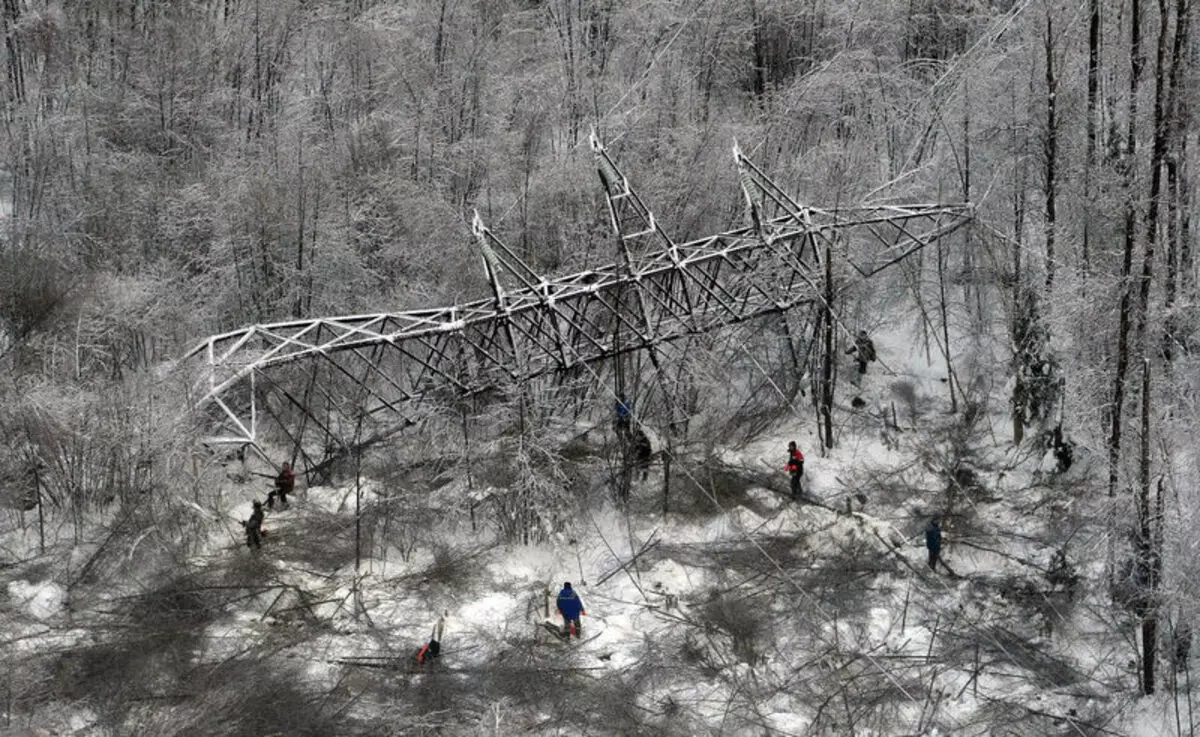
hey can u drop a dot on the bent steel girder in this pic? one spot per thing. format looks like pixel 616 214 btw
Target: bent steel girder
pixel 385 363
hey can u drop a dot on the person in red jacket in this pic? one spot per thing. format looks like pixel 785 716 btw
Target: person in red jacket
pixel 795 467
pixel 433 649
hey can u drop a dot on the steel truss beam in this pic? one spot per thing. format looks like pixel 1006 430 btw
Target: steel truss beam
pixel 534 325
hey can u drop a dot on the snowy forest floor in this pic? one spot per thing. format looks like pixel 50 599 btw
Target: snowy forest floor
pixel 738 613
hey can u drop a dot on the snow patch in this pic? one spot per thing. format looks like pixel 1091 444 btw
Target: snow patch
pixel 788 723
pixel 41 600
pixel 765 497
pixel 488 610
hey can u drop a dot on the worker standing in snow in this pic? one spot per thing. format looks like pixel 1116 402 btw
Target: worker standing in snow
pixel 624 417
pixel 863 350
pixel 642 452
pixel 284 483
pixel 933 542
pixel 254 527
pixel 795 467
pixel 570 606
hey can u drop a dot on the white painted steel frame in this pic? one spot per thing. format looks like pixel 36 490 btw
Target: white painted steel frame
pixel 555 324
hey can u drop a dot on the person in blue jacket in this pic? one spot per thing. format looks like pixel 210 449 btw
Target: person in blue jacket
pixel 624 418
pixel 933 542
pixel 570 606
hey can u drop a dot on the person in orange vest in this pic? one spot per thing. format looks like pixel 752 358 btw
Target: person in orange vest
pixel 795 467
pixel 284 483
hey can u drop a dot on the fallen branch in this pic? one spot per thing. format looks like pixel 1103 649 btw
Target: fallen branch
pixel 646 548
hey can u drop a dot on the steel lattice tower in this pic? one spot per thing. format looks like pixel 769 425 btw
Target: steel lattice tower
pixel 380 366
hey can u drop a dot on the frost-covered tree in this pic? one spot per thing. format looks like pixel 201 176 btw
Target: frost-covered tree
pixel 1037 382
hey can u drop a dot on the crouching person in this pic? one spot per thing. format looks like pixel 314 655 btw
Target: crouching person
pixel 570 606
pixel 432 649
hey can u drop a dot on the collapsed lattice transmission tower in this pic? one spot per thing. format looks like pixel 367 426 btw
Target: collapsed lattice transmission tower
pixel 328 374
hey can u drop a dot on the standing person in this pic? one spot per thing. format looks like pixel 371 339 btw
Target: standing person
pixel 624 416
pixel 643 452
pixel 933 542
pixel 570 606
pixel 1183 644
pixel 795 467
pixel 254 527
pixel 284 483
pixel 863 350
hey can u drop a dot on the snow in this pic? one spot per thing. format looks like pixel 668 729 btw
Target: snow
pixel 42 601
pixel 906 621
pixel 484 612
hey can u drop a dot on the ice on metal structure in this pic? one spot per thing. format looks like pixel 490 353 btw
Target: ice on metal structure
pixel 316 374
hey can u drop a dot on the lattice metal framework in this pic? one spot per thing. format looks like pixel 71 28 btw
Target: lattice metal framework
pixel 533 325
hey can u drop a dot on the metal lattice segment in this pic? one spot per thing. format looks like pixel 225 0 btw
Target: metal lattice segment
pixel 637 232
pixel 497 257
pixel 321 371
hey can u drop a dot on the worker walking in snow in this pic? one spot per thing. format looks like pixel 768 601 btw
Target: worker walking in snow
pixel 253 527
pixel 863 350
pixel 433 648
pixel 642 452
pixel 795 467
pixel 570 606
pixel 933 542
pixel 284 483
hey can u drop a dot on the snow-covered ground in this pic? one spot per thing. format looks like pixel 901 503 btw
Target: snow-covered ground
pixel 760 616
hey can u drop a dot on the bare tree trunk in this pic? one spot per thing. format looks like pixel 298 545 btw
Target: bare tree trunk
pixel 298 302
pixel 1157 156
pixel 561 14
pixel 1146 548
pixel 828 348
pixel 667 454
pixel 1051 150
pixel 1018 204
pixel 14 63
pixel 37 487
pixel 1176 138
pixel 758 58
pixel 1093 96
pixel 1137 61
pixel 941 269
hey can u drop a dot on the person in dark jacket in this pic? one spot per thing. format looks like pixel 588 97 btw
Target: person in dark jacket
pixel 1064 449
pixel 1183 645
pixel 795 468
pixel 933 542
pixel 253 527
pixel 284 483
pixel 624 418
pixel 570 606
pixel 643 452
pixel 863 350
